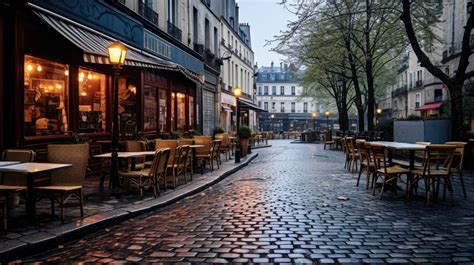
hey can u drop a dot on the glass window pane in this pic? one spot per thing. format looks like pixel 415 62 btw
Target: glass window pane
pixel 181 99
pixel 45 97
pixel 149 112
pixel 163 109
pixel 92 101
pixel 191 112
pixel 127 110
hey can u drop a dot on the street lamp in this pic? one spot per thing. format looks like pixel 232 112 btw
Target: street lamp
pixel 327 113
pixel 272 117
pixel 379 112
pixel 117 53
pixel 314 114
pixel 237 94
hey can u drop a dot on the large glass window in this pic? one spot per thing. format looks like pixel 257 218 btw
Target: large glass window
pixel 274 90
pixel 149 110
pixel 163 97
pixel 127 107
pixel 191 112
pixel 181 104
pixel 282 90
pixel 92 101
pixel 173 113
pixel 45 97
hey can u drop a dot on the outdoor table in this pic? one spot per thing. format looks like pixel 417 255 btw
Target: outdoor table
pixel 194 147
pixel 131 155
pixel 8 163
pixel 391 146
pixel 31 170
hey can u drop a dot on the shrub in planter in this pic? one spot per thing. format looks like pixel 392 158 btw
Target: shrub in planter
pixel 244 135
pixel 217 130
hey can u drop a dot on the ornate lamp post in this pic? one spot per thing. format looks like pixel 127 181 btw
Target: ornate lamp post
pixel 237 94
pixel 117 53
pixel 314 114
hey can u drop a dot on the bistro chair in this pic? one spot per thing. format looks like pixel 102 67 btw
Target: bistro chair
pixel 365 163
pixel 172 145
pixel 458 163
pixel 351 154
pixel 189 162
pixel 389 174
pixel 204 154
pixel 148 177
pixel 66 183
pixel 326 141
pixel 436 165
pixel 225 144
pixel 216 152
pixel 137 146
pixel 13 185
pixel 178 167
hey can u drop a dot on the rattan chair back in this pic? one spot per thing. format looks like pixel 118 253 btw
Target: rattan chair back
pixel 171 144
pixel 75 154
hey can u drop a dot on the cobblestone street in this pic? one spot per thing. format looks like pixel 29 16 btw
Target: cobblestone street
pixel 284 208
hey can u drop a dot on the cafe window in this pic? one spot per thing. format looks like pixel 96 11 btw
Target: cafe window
pixel 45 97
pixel 173 116
pixel 92 101
pixel 181 108
pixel 163 109
pixel 127 107
pixel 150 109
pixel 191 112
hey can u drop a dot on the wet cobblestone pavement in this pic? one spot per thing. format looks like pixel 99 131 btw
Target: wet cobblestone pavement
pixel 284 208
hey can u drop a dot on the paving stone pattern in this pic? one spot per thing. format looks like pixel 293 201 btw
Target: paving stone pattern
pixel 284 208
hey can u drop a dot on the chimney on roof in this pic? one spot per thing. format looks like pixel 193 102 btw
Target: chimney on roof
pixel 272 65
pixel 281 66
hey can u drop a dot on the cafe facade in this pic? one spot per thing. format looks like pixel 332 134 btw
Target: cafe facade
pixel 56 79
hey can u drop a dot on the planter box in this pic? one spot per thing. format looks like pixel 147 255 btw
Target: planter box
pixel 436 131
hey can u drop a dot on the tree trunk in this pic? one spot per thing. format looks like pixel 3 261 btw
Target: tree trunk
pixel 355 80
pixel 370 95
pixel 457 122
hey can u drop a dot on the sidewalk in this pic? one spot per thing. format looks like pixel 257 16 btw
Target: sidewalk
pixel 100 211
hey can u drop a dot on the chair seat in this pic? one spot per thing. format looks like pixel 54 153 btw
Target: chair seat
pixel 394 170
pixel 330 142
pixel 364 163
pixel 59 188
pixel 433 172
pixel 8 188
pixel 131 174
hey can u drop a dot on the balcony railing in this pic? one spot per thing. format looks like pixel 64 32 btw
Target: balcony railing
pixel 148 13
pixel 399 91
pixel 174 31
pixel 199 48
pixel 419 83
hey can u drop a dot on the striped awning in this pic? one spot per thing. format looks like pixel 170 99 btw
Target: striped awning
pixel 94 44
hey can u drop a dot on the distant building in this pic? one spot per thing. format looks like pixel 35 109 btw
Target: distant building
pixel 280 95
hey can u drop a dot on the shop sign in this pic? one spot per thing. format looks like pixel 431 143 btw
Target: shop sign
pixel 156 45
pixel 228 99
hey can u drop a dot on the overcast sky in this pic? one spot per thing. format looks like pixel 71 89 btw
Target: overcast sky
pixel 266 18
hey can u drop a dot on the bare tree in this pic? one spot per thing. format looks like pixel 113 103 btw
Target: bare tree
pixel 455 82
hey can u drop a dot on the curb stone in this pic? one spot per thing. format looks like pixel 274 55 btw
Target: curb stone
pixel 49 239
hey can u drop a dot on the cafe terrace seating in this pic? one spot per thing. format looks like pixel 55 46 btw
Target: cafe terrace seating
pixel 225 144
pixel 326 141
pixel 189 162
pixel 388 174
pixel 148 177
pixel 458 163
pixel 137 146
pixel 178 168
pixel 66 183
pixel 204 154
pixel 436 166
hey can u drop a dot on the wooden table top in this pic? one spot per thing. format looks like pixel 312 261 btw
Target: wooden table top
pixel 400 146
pixel 29 168
pixel 7 163
pixel 127 154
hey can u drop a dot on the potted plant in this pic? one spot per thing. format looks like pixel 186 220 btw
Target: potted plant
pixel 217 130
pixel 244 135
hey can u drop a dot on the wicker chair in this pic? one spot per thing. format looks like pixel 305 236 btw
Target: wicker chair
pixel 365 163
pixel 225 147
pixel 437 162
pixel 216 152
pixel 189 162
pixel 13 185
pixel 172 145
pixel 179 166
pixel 67 183
pixel 137 146
pixel 148 177
pixel 352 155
pixel 204 154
